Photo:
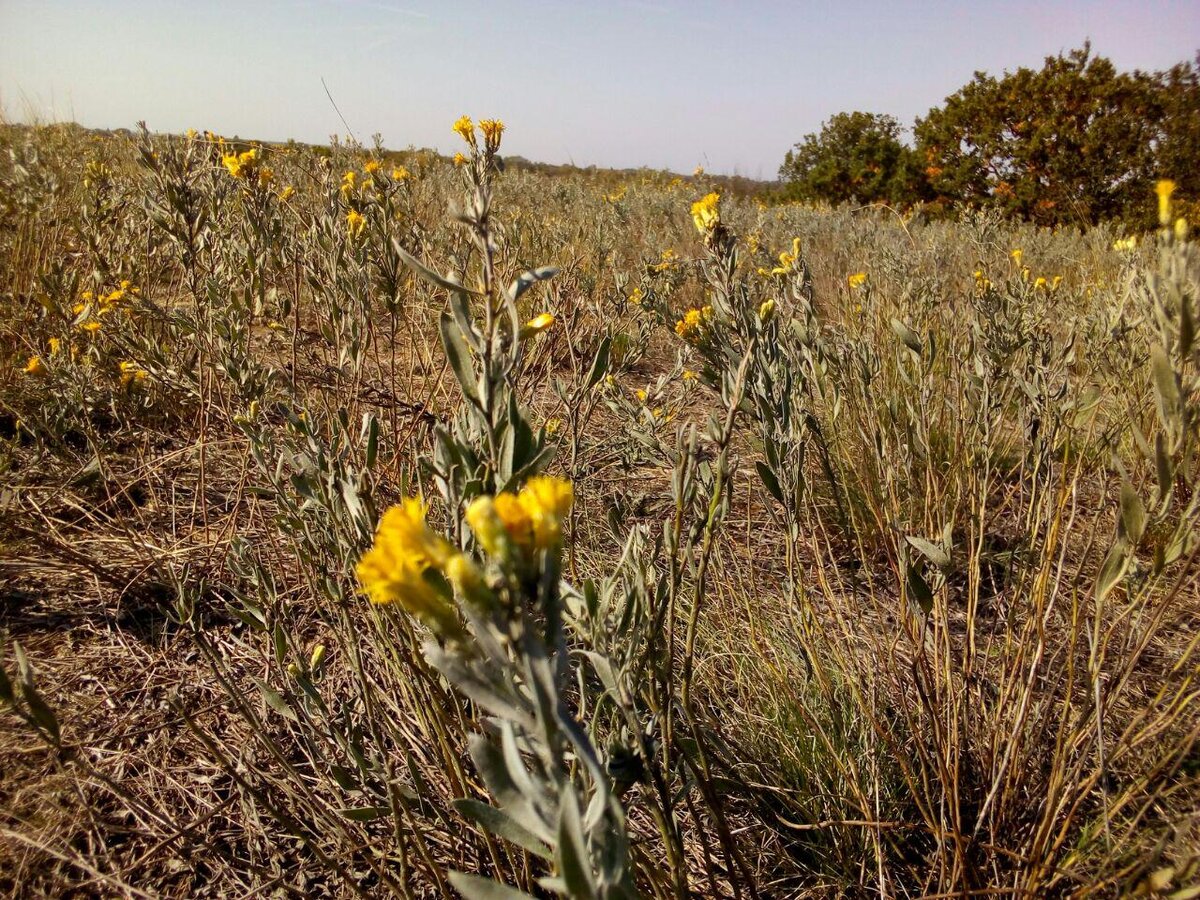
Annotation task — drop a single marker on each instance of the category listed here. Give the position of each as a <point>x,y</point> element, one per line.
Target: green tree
<point>1076,141</point>
<point>855,156</point>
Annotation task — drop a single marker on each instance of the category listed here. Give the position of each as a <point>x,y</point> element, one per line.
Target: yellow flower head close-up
<point>691,327</point>
<point>465,128</point>
<point>706,212</point>
<point>858,279</point>
<point>403,565</point>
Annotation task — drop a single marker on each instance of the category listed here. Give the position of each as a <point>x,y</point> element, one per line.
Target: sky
<point>669,84</point>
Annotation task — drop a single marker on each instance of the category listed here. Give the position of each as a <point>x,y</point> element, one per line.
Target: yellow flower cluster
<point>858,279</point>
<point>465,129</point>
<point>787,261</point>
<point>372,166</point>
<point>1126,245</point>
<point>349,183</point>
<point>241,165</point>
<point>409,565</point>
<point>492,129</point>
<point>400,174</point>
<point>131,373</point>
<point>35,367</point>
<point>98,305</point>
<point>515,526</point>
<point>667,259</point>
<point>636,297</point>
<point>693,324</point>
<point>355,223</point>
<point>706,212</point>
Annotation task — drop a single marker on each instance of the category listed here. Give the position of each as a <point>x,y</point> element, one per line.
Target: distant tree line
<point>1073,142</point>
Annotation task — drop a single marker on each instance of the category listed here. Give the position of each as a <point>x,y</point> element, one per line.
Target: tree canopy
<point>1075,141</point>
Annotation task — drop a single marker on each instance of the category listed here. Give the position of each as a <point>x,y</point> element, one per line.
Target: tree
<point>856,156</point>
<point>1073,141</point>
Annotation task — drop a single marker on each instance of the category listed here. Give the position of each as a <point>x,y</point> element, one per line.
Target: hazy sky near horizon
<point>663,83</point>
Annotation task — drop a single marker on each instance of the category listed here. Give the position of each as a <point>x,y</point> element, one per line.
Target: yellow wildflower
<point>131,373</point>
<point>492,129</point>
<point>636,297</point>
<point>459,159</point>
<point>667,259</point>
<point>35,366</point>
<point>55,346</point>
<point>787,261</point>
<point>1128,244</point>
<point>403,564</point>
<point>1055,282</point>
<point>552,426</point>
<point>858,279</point>
<point>529,520</point>
<point>1181,229</point>
<point>766,310</point>
<point>1040,284</point>
<point>465,129</point>
<point>1165,188</point>
<point>372,166</point>
<point>693,323</point>
<point>706,212</point>
<point>1016,255</point>
<point>287,194</point>
<point>641,395</point>
<point>400,174</point>
<point>355,223</point>
<point>91,327</point>
<point>546,501</point>
<point>538,324</point>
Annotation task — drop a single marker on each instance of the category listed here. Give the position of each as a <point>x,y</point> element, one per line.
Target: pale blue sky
<point>663,83</point>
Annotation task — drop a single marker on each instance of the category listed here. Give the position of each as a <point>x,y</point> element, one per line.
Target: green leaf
<point>1133,513</point>
<point>499,823</point>
<point>275,701</point>
<point>918,589</point>
<point>526,280</point>
<point>1163,467</point>
<point>364,813</point>
<point>473,887</point>
<point>459,357</point>
<point>1165,386</point>
<point>770,482</point>
<point>907,335</point>
<point>599,364</point>
<point>427,273</point>
<point>572,858</point>
<point>930,551</point>
<point>371,427</point>
<point>1112,569</point>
